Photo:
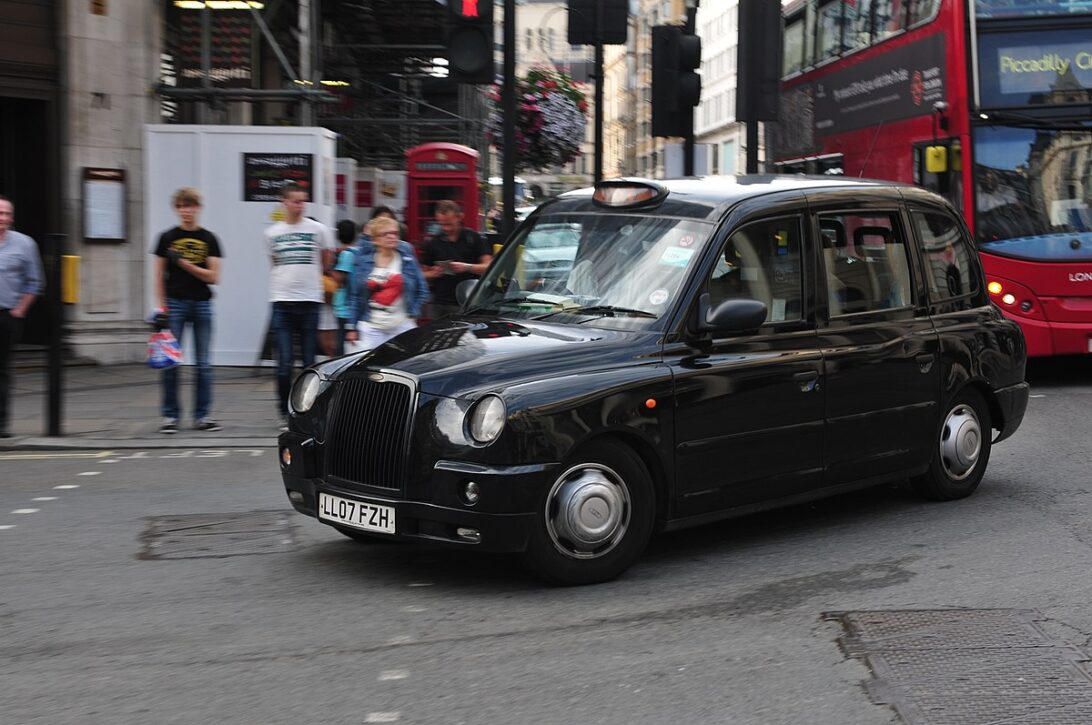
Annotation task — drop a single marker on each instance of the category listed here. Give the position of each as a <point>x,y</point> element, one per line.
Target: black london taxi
<point>645,356</point>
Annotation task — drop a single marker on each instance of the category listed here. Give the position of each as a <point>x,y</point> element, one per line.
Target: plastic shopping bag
<point>163,350</point>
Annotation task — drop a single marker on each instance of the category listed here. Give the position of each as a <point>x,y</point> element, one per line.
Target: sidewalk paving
<point>117,406</point>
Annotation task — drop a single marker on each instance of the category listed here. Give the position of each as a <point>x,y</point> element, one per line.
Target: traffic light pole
<point>598,91</point>
<point>688,140</point>
<point>508,109</point>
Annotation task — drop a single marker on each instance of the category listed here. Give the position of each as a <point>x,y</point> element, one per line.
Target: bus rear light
<point>1008,299</point>
<point>994,287</point>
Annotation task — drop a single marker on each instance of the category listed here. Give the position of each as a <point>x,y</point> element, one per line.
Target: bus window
<point>889,18</point>
<point>794,46</point>
<point>858,24</point>
<point>830,31</point>
<point>921,10</point>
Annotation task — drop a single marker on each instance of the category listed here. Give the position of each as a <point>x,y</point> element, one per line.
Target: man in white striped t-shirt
<point>301,250</point>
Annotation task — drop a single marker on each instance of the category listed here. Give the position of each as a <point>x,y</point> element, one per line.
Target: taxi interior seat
<point>885,266</point>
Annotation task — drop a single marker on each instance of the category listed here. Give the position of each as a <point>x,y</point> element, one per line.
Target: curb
<point>105,444</point>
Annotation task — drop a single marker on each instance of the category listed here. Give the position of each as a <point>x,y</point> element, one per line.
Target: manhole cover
<point>196,536</point>
<point>969,667</point>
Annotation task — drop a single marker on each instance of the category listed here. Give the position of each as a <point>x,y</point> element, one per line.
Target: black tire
<point>604,482</point>
<point>961,450</point>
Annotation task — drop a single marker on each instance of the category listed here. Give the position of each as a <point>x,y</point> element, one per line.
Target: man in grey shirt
<point>20,284</point>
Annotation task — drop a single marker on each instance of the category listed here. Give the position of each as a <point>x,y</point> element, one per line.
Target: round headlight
<point>304,392</point>
<point>487,419</point>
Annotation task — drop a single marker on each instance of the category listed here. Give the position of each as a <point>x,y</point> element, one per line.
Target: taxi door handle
<point>808,381</point>
<point>925,362</point>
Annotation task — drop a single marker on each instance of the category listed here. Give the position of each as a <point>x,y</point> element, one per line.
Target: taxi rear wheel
<point>595,518</point>
<point>960,452</point>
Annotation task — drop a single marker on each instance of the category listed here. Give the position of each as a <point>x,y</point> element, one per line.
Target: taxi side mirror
<point>464,290</point>
<point>737,315</point>
<point>936,159</point>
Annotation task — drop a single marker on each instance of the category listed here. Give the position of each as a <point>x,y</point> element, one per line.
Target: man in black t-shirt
<point>187,262</point>
<point>453,255</point>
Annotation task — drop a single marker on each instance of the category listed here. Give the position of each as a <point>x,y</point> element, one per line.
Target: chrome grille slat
<point>367,443</point>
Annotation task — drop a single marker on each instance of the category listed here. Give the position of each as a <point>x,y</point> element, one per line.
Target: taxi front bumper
<point>500,520</point>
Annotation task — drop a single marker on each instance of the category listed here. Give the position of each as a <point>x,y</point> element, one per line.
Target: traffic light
<point>758,61</point>
<point>676,87</point>
<point>470,41</point>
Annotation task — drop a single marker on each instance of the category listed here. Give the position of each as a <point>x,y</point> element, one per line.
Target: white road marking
<point>383,717</point>
<point>26,511</point>
<point>415,609</point>
<point>67,486</point>
<point>1037,396</point>
<point>5,527</point>
<point>386,675</point>
<point>400,639</point>
<point>44,498</point>
<point>421,584</point>
<point>90,473</point>
<point>45,456</point>
<point>109,460</point>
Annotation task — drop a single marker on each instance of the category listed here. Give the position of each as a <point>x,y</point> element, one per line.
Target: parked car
<point>715,347</point>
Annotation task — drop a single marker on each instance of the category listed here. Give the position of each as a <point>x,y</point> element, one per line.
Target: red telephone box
<point>437,171</point>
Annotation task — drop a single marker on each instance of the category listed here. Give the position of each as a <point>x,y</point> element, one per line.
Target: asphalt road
<point>718,624</point>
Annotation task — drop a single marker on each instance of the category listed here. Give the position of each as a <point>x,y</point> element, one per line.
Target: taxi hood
<point>463,354</point>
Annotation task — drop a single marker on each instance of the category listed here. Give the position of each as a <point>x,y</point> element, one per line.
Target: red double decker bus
<point>988,103</point>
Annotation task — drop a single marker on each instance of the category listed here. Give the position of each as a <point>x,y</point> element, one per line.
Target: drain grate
<point>198,536</point>
<point>969,667</point>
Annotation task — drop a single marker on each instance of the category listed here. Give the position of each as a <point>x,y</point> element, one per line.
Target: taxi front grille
<point>367,443</point>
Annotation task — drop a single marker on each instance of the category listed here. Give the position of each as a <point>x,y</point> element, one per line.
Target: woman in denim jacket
<point>386,289</point>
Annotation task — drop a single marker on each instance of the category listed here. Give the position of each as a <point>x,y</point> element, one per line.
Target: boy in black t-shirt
<point>453,255</point>
<point>187,262</point>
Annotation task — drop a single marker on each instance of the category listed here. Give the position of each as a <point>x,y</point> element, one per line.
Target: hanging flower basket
<point>550,120</point>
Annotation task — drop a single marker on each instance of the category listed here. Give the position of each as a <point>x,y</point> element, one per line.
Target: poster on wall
<point>104,205</point>
<point>265,174</point>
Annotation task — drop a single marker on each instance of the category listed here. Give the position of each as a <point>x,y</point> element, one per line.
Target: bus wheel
<point>595,519</point>
<point>962,450</point>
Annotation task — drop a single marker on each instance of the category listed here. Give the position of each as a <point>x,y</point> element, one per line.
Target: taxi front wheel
<point>961,451</point>
<point>595,519</point>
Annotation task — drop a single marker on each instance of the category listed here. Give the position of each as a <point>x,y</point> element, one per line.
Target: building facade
<point>715,118</point>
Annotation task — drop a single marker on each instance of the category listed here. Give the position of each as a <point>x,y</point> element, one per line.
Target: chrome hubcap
<point>587,511</point>
<point>960,442</point>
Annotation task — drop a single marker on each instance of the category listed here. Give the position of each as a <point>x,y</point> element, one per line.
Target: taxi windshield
<point>614,270</point>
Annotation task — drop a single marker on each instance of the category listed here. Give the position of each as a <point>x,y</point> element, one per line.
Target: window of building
<point>728,151</point>
<point>866,261</point>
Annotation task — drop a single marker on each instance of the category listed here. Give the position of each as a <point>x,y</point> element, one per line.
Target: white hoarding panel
<point>213,159</point>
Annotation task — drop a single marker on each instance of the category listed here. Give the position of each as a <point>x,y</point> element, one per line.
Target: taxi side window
<point>762,261</point>
<point>947,258</point>
<point>867,262</point>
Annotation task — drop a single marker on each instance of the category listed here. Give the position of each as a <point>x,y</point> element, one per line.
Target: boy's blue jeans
<point>198,314</point>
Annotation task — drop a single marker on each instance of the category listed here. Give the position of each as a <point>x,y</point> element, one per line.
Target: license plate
<point>357,514</point>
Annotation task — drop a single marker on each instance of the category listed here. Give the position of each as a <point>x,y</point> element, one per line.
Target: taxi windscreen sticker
<point>676,256</point>
<point>658,297</point>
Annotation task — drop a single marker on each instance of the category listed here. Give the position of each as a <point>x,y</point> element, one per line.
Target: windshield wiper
<point>514,300</point>
<point>607,311</point>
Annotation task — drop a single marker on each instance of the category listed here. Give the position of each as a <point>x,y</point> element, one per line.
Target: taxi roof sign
<point>628,193</point>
